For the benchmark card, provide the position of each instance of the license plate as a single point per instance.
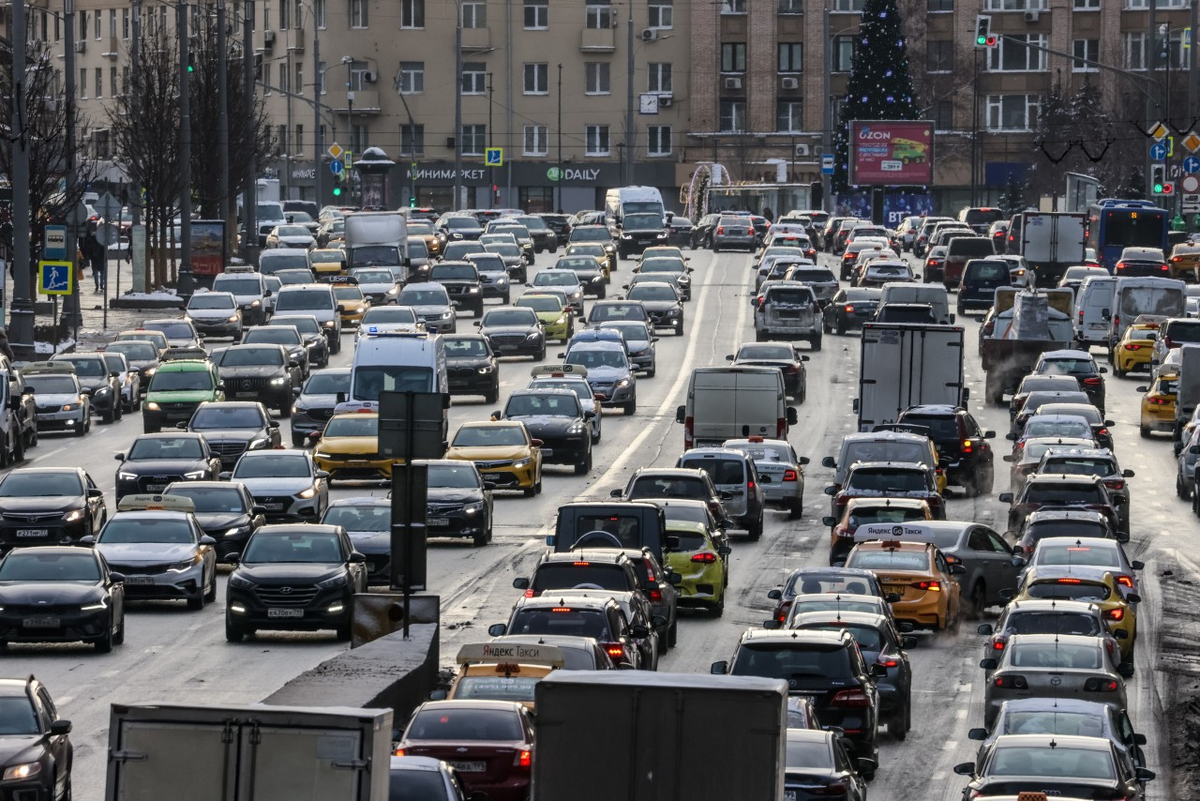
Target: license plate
(790, 315)
(1097, 326)
(491, 476)
(276, 612)
(33, 532)
(789, 795)
(469, 767)
(505, 348)
(139, 580)
(245, 394)
(888, 589)
(41, 623)
(156, 487)
(437, 521)
(186, 416)
(273, 507)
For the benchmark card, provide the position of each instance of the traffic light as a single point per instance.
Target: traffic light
(412, 202)
(983, 32)
(1158, 179)
(338, 180)
(1168, 188)
(191, 62)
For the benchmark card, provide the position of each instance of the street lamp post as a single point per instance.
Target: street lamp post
(70, 315)
(21, 311)
(826, 106)
(250, 194)
(456, 204)
(222, 119)
(558, 185)
(629, 132)
(317, 79)
(186, 283)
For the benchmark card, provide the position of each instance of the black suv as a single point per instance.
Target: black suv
(558, 419)
(35, 745)
(48, 506)
(826, 666)
(155, 460)
(461, 279)
(263, 373)
(471, 366)
(961, 445)
(97, 381)
(310, 331)
(458, 502)
(636, 232)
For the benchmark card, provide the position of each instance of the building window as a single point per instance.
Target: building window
(848, 5)
(299, 79)
(733, 6)
(412, 141)
(99, 80)
(474, 13)
(412, 77)
(844, 48)
(124, 23)
(791, 6)
(112, 23)
(358, 13)
(412, 13)
(1135, 51)
(791, 57)
(319, 13)
(321, 75)
(598, 14)
(83, 24)
(1086, 5)
(358, 76)
(1160, 4)
(733, 57)
(535, 141)
(83, 83)
(1085, 48)
(1137, 54)
(595, 140)
(299, 138)
(1019, 5)
(536, 199)
(285, 83)
(474, 139)
(596, 77)
(112, 81)
(939, 5)
(96, 17)
(474, 78)
(939, 55)
(537, 79)
(662, 13)
(733, 115)
(943, 115)
(1011, 112)
(1011, 55)
(659, 77)
(659, 140)
(283, 15)
(537, 15)
(789, 115)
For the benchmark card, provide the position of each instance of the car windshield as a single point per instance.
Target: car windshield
(1041, 529)
(135, 351)
(540, 303)
(374, 254)
(1078, 466)
(89, 368)
(516, 317)
(1060, 494)
(423, 297)
(461, 222)
(1052, 721)
(882, 559)
(16, 716)
(804, 603)
(869, 638)
(211, 500)
(1067, 367)
(566, 620)
(496, 688)
(596, 358)
(353, 425)
(270, 465)
(326, 257)
(172, 330)
(238, 286)
(375, 518)
(389, 314)
(1088, 555)
(303, 300)
(274, 262)
(351, 293)
(275, 335)
(662, 265)
(590, 233)
(70, 565)
(311, 547)
(466, 348)
(1068, 590)
(374, 276)
(814, 755)
(210, 417)
(556, 279)
(181, 381)
(165, 448)
(454, 272)
(630, 332)
(513, 251)
(212, 300)
(650, 292)
(305, 325)
(577, 264)
(942, 428)
(1034, 761)
(370, 380)
(453, 476)
(722, 471)
(250, 357)
(886, 514)
(668, 487)
(457, 725)
(1052, 623)
(52, 384)
(127, 531)
(1050, 427)
(877, 480)
(794, 296)
(782, 661)
(531, 405)
(489, 437)
(39, 484)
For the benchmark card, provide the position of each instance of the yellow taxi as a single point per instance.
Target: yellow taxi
(558, 320)
(864, 511)
(1118, 604)
(1135, 349)
(702, 561)
(596, 251)
(349, 448)
(352, 304)
(1158, 404)
(327, 261)
(506, 456)
(501, 672)
(919, 574)
(1184, 263)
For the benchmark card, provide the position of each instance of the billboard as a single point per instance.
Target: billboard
(891, 152)
(208, 247)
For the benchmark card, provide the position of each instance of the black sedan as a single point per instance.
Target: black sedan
(295, 577)
(155, 460)
(368, 521)
(53, 594)
(558, 419)
(818, 765)
(513, 331)
(471, 366)
(35, 744)
(225, 511)
(459, 501)
(48, 506)
(782, 357)
(234, 427)
(850, 308)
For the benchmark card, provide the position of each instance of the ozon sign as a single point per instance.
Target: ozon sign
(891, 153)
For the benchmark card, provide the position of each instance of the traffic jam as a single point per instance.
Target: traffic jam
(257, 484)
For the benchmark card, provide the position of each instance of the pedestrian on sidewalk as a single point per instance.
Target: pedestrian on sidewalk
(97, 256)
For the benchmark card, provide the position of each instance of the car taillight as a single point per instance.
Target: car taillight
(1125, 581)
(529, 593)
(1011, 682)
(999, 642)
(1129, 346)
(887, 662)
(398, 752)
(967, 445)
(849, 308)
(780, 427)
(855, 697)
(836, 788)
(704, 557)
(1115, 484)
(688, 429)
(842, 531)
(1163, 267)
(524, 759)
(1092, 381)
(1115, 614)
(614, 649)
(1120, 265)
(655, 596)
(720, 229)
(1158, 401)
(1169, 343)
(931, 586)
(789, 475)
(784, 608)
(1101, 685)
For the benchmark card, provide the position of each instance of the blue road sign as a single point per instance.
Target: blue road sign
(493, 157)
(55, 246)
(54, 277)
(336, 166)
(827, 165)
(1158, 151)
(1191, 165)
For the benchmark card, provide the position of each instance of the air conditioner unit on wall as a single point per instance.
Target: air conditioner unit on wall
(649, 34)
(370, 77)
(733, 83)
(80, 46)
(790, 83)
(1032, 16)
(269, 38)
(665, 101)
(802, 150)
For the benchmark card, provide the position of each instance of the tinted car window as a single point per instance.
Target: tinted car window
(444, 723)
(557, 576)
(778, 661)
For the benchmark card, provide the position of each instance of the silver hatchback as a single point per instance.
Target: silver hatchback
(734, 232)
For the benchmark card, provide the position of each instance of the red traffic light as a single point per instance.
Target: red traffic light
(1168, 188)
(991, 40)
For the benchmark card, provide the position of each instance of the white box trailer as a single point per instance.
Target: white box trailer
(1051, 242)
(905, 365)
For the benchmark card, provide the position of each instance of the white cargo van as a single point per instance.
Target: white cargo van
(1092, 303)
(1135, 296)
(377, 239)
(734, 402)
(907, 292)
(397, 361)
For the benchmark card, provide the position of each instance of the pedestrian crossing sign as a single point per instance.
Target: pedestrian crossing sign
(55, 277)
(493, 157)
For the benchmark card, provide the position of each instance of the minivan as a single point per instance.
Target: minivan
(317, 300)
(979, 281)
(733, 473)
(731, 402)
(1092, 302)
(1136, 296)
(961, 250)
(906, 292)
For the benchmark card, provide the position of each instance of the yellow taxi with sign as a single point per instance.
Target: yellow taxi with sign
(501, 672)
(327, 261)
(351, 302)
(504, 453)
(1118, 603)
(1158, 404)
(1135, 350)
(348, 448)
(702, 562)
(551, 312)
(919, 574)
(1184, 263)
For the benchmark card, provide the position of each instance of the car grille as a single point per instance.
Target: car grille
(286, 596)
(432, 318)
(438, 509)
(247, 384)
(657, 316)
(500, 340)
(156, 483)
(351, 457)
(32, 519)
(492, 465)
(454, 290)
(49, 407)
(461, 372)
(319, 414)
(186, 406)
(139, 570)
(275, 504)
(40, 610)
(226, 449)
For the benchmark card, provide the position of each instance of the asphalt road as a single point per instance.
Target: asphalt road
(181, 656)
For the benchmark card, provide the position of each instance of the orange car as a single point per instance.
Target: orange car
(919, 574)
(861, 511)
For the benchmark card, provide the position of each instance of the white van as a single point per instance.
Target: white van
(1092, 301)
(397, 361)
(1135, 296)
(734, 402)
(906, 292)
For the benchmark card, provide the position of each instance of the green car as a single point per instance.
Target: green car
(177, 388)
(702, 561)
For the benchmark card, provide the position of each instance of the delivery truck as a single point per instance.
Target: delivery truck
(731, 402)
(1022, 325)
(1051, 242)
(377, 239)
(905, 365)
(247, 753)
(659, 737)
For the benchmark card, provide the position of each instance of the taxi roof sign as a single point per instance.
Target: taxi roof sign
(43, 368)
(139, 502)
(550, 370)
(914, 531)
(511, 653)
(178, 353)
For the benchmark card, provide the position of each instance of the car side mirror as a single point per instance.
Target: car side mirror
(120, 457)
(208, 541)
(719, 668)
(1005, 497)
(322, 474)
(639, 632)
(830, 490)
(1139, 739)
(675, 578)
(437, 695)
(985, 629)
(497, 630)
(829, 462)
(117, 578)
(60, 727)
(225, 475)
(775, 595)
(724, 550)
(1012, 437)
(1122, 536)
(1121, 634)
(989, 434)
(1007, 457)
(1141, 389)
(977, 734)
(792, 417)
(1006, 594)
(521, 583)
(988, 664)
(905, 626)
(680, 414)
(829, 520)
(95, 492)
(956, 569)
(965, 769)
(1136, 565)
(892, 597)
(878, 670)
(182, 425)
(1130, 473)
(356, 558)
(88, 540)
(296, 391)
(1144, 774)
(909, 642)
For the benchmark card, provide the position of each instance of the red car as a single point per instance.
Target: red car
(489, 743)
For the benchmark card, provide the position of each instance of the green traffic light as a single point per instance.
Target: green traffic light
(981, 40)
(337, 191)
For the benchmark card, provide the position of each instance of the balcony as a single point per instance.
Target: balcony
(366, 101)
(296, 40)
(476, 40)
(598, 40)
(112, 48)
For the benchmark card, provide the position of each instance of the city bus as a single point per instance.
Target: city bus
(1114, 225)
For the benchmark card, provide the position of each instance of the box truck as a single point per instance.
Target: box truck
(904, 365)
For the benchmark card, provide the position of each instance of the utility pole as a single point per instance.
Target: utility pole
(20, 334)
(250, 193)
(222, 120)
(135, 71)
(318, 142)
(827, 107)
(1151, 55)
(186, 283)
(558, 204)
(456, 204)
(70, 312)
(491, 176)
(1193, 74)
(629, 133)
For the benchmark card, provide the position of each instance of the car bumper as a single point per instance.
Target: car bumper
(510, 478)
(1158, 421)
(1129, 360)
(566, 451)
(285, 509)
(60, 421)
(328, 609)
(222, 329)
(350, 468)
(613, 396)
(166, 586)
(747, 242)
(304, 422)
(32, 624)
(474, 384)
(455, 523)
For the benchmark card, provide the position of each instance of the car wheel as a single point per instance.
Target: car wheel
(480, 539)
(211, 595)
(541, 354)
(233, 633)
(119, 637)
(196, 602)
(795, 509)
(755, 530)
(583, 466)
(718, 608)
(18, 454)
(760, 336)
(529, 492)
(816, 342)
(492, 395)
(841, 327)
(629, 408)
(897, 725)
(978, 600)
(299, 440)
(110, 416)
(104, 643)
(1144, 431)
(673, 633)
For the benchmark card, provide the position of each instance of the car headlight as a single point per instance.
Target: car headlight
(102, 391)
(25, 770)
(180, 567)
(393, 291)
(663, 235)
(123, 476)
(236, 530)
(446, 315)
(150, 371)
(674, 312)
(256, 303)
(311, 492)
(96, 607)
(71, 407)
(152, 406)
(576, 428)
(256, 444)
(561, 321)
(329, 323)
(474, 508)
(72, 517)
(624, 382)
(232, 319)
(241, 582)
(322, 455)
(472, 290)
(487, 368)
(360, 310)
(597, 279)
(519, 463)
(626, 236)
(333, 581)
(194, 475)
(277, 382)
(501, 280)
(533, 335)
